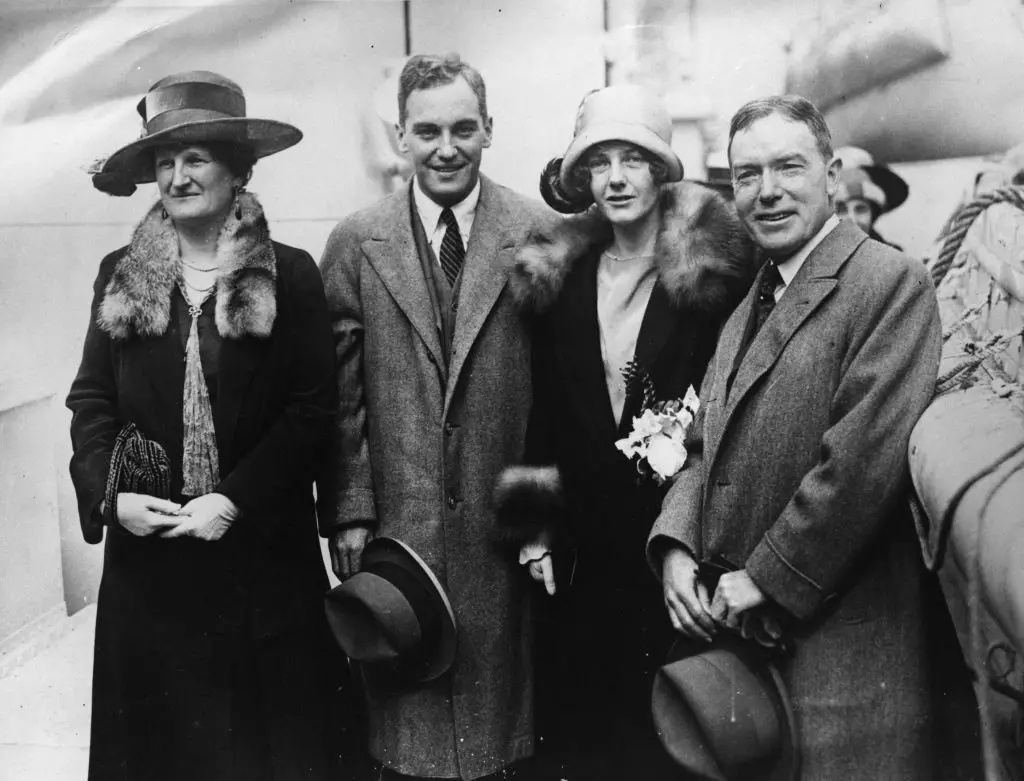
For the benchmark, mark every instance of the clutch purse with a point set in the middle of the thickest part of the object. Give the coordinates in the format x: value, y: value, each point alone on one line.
x: 137, y: 465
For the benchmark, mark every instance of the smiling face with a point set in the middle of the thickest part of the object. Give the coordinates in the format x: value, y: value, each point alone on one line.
x: 622, y: 183
x: 195, y: 187
x: 784, y: 189
x: 445, y: 134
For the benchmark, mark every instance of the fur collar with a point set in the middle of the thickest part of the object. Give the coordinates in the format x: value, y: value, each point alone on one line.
x: 137, y: 300
x: 705, y: 259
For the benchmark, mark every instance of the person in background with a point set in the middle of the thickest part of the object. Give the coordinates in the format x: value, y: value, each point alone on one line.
x: 867, y: 190
x: 626, y: 300
x: 200, y: 408
x: 433, y: 371
x: 797, y: 472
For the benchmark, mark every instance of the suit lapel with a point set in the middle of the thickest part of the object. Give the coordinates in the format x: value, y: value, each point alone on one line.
x: 811, y: 286
x: 659, y: 321
x: 579, y: 347
x: 392, y: 253
x: 484, y: 275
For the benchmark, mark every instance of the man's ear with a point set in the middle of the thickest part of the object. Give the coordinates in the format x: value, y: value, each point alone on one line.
x: 403, y: 147
x: 835, y: 168
x: 488, y: 131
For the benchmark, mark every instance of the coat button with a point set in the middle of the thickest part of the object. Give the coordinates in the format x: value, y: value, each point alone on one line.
x: 449, y: 429
x: 451, y: 501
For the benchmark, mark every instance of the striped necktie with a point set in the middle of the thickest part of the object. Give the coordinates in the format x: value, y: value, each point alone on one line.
x: 452, y: 251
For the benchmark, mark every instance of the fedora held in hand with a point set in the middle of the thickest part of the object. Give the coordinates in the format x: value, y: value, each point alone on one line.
x: 394, y: 611
x: 137, y: 465
x: 722, y: 712
x: 191, y: 107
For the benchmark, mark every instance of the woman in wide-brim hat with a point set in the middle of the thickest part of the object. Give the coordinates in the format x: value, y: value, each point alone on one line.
x: 204, y: 392
x: 641, y: 277
x: 867, y: 190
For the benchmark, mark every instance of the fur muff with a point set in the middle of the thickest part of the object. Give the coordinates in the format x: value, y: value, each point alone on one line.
x: 705, y: 258
x: 137, y: 300
x: 528, y: 501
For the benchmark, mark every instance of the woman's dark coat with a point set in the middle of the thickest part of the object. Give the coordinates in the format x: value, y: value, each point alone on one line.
x: 212, y: 659
x: 603, y: 636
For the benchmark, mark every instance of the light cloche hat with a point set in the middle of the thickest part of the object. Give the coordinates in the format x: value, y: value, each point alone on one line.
x: 622, y: 113
x: 190, y: 107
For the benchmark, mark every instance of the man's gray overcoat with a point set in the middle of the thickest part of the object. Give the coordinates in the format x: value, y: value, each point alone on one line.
x: 418, y: 447
x: 799, y: 474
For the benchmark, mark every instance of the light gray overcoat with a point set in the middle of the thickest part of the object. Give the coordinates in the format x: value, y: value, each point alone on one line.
x: 799, y: 474
x: 417, y: 451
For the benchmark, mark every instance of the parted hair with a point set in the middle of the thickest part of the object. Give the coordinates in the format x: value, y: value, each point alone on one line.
x: 423, y: 71
x: 791, y: 107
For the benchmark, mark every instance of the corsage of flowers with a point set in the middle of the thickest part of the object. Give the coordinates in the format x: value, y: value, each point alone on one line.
x: 657, y: 440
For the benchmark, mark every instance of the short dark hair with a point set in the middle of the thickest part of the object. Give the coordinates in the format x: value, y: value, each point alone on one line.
x: 423, y: 71
x: 239, y: 158
x: 579, y: 176
x: 791, y: 107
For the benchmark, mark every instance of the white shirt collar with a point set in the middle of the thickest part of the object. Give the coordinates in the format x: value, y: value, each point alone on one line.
x: 790, y: 266
x: 430, y: 214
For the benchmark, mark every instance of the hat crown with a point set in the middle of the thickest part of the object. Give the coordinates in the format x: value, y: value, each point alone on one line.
x: 188, y: 96
x: 625, y: 104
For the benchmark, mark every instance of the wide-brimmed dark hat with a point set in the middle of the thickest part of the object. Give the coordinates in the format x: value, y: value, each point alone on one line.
x: 723, y: 713
x: 394, y: 612
x: 863, y: 178
x: 192, y: 108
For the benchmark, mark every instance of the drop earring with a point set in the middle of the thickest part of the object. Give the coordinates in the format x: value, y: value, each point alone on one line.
x: 163, y: 213
x: 238, y: 206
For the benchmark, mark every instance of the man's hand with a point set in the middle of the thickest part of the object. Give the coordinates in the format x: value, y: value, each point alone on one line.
x: 686, y: 598
x: 536, y: 556
x: 346, y: 547
x: 207, y: 517
x: 735, y: 595
x: 143, y: 515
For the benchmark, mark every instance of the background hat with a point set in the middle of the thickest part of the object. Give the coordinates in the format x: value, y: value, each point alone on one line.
x: 394, y: 610
x: 623, y: 113
x: 870, y: 181
x: 722, y: 712
x: 719, y: 175
x: 192, y: 108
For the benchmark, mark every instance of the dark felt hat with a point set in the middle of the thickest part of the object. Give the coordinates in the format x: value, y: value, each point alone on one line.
x: 723, y: 713
x: 863, y: 178
x: 394, y: 612
x: 191, y: 108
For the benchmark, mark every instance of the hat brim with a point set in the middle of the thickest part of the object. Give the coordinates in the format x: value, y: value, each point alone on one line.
x: 390, y: 549
x: 263, y: 136
x: 891, y: 183
x: 630, y: 132
x: 695, y: 755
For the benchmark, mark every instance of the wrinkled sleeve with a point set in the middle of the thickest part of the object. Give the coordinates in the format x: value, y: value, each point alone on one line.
x: 94, y: 419
x: 345, y: 489
x: 842, y: 504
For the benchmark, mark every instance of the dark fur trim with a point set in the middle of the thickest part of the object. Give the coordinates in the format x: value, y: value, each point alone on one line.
x: 137, y: 300
x: 528, y: 501
x: 705, y: 259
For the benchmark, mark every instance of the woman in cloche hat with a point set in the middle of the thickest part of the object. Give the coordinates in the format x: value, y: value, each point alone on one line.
x: 204, y: 392
x: 627, y: 299
x: 867, y: 190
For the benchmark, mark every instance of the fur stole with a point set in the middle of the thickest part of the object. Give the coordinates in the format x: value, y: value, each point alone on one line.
x: 705, y: 259
x: 137, y: 300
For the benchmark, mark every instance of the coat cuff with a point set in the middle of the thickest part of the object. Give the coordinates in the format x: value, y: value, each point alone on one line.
x: 798, y: 593
x: 356, y: 507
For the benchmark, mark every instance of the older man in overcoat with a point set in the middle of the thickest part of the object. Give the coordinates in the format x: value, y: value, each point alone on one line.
x: 434, y: 379
x: 797, y: 474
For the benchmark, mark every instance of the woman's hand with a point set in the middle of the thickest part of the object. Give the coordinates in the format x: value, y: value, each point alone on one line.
x: 689, y: 607
x: 206, y: 518
x: 536, y: 557
x: 143, y: 515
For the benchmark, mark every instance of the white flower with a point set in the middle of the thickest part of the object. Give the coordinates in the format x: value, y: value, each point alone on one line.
x: 666, y: 455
